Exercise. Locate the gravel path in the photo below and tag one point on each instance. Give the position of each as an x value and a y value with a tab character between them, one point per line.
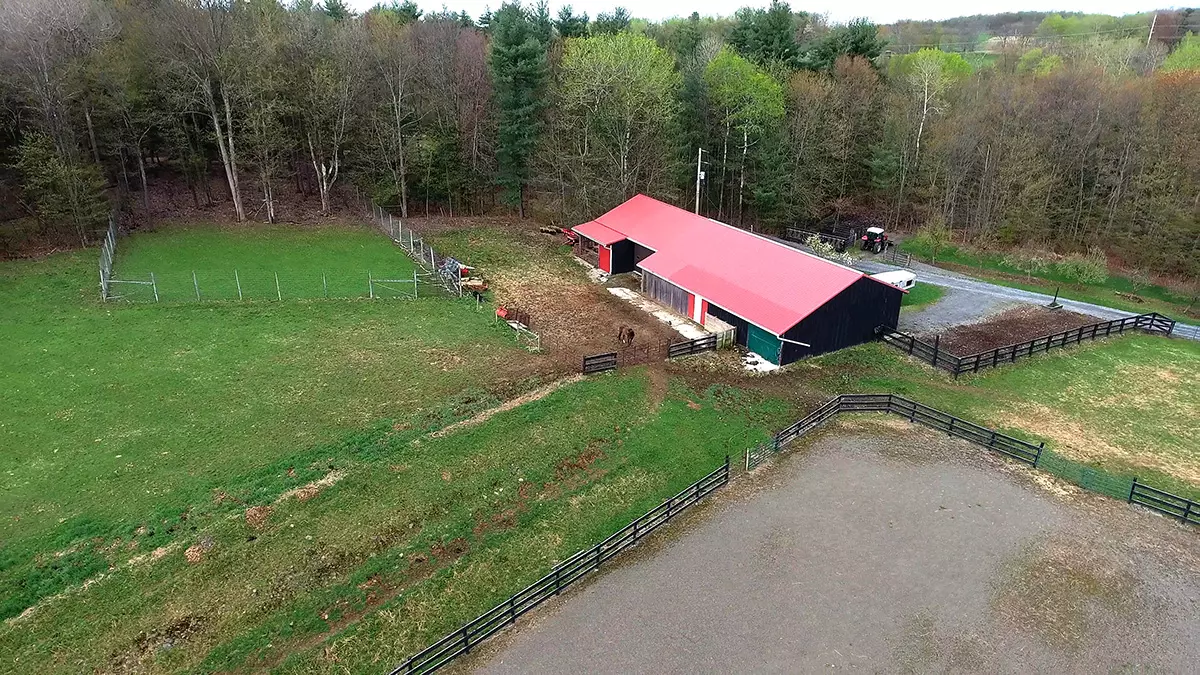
917	554
955	308
976	290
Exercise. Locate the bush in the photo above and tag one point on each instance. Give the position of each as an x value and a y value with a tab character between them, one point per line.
934	237
1029	261
825	250
1091	268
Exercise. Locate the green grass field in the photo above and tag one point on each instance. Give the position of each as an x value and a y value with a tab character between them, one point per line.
118	417
991	267
273	486
309	263
922	294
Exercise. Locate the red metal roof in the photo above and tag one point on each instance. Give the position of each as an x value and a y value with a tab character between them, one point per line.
767	283
598	233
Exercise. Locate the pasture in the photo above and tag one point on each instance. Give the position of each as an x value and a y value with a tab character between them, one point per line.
315	485
309	262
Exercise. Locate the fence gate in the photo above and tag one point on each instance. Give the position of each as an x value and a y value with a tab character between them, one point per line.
599	363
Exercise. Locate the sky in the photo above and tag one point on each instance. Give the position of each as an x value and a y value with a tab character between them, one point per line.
879	11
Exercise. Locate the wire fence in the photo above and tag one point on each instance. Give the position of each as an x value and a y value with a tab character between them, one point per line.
444	270
120	289
260	284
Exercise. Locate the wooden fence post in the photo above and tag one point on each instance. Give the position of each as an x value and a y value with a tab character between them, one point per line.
1038	456
1132	487
937	341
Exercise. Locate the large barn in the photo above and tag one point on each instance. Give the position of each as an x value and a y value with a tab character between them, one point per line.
786	304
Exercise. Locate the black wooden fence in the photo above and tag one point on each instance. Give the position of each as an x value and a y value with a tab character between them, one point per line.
563	575
598	363
1164	502
707	343
1173	505
933	354
893	256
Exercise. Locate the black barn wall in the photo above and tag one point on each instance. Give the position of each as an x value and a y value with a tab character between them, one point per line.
737	322
622	257
848	319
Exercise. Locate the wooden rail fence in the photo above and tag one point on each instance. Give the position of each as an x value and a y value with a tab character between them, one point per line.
933	354
598	363
563	575
1186	510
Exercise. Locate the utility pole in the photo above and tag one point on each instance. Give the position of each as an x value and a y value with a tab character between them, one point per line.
1153	22
699	176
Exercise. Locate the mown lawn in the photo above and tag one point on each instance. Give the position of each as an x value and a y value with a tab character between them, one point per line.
922	294
991	267
310	262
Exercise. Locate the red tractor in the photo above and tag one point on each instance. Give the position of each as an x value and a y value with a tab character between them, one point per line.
875	240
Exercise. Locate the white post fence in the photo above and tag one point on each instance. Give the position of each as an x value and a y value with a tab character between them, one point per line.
108	251
448	276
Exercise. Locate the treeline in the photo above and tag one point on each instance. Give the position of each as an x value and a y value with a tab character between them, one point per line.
1054	141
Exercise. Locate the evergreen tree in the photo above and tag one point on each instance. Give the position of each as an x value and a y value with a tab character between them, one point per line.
337	10
62	189
611	23
766	36
858	38
518	61
571	25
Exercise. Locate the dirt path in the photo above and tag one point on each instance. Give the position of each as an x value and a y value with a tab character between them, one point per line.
508	405
914	555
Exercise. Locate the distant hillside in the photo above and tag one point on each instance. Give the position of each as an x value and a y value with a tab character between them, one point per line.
970	33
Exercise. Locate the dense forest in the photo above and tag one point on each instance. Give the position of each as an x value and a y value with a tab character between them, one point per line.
1048	131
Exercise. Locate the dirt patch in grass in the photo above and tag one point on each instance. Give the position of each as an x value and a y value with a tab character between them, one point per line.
150	644
1010	327
195	553
573	316
256	516
310	490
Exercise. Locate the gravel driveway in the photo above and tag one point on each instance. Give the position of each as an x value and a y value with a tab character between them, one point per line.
911	554
991	297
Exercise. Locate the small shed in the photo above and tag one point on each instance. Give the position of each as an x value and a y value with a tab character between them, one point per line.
785	303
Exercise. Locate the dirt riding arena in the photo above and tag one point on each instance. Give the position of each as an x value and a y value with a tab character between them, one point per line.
1009	327
907	553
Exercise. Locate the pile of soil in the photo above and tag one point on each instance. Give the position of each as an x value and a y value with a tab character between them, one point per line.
1010	327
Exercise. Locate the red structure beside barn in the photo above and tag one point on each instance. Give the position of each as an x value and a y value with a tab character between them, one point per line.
785	303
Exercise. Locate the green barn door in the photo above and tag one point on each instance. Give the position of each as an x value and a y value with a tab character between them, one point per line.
762	343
